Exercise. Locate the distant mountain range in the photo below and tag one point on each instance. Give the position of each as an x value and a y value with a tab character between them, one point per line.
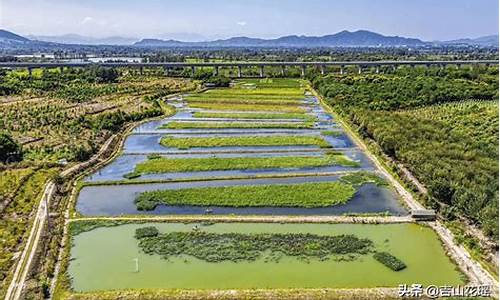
489	40
360	38
83	40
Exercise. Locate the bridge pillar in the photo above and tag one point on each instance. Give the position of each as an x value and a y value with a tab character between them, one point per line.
341	70
30	72
141	70
360	69
303	70
216	70
261	71
283	70
193	70
377	69
166	71
322	67
61	69
239	72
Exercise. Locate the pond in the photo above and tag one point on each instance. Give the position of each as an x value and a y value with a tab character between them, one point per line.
115	200
108	258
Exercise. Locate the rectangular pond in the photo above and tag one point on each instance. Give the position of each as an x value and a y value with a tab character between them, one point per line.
116	200
109	258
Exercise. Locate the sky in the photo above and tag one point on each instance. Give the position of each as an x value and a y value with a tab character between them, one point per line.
210	19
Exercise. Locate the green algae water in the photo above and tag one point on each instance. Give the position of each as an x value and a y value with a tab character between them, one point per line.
109	258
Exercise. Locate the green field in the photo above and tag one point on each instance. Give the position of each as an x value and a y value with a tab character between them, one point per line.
167	165
219	125
279	195
285	140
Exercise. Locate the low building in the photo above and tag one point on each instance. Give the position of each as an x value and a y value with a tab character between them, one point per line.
423	214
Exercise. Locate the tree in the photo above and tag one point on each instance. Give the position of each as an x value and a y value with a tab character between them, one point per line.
9	148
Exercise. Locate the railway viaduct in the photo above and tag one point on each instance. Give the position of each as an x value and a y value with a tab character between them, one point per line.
322	66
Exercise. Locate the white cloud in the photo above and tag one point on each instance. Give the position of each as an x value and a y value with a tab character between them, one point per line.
242	23
87	20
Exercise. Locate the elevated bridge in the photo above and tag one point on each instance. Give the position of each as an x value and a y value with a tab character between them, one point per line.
322	66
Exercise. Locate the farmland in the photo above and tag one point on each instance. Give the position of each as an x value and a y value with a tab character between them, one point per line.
61	118
442	126
228	179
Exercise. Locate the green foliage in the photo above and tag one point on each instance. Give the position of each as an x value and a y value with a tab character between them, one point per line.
420	119
77	227
389	261
279	195
362	177
167	165
143	232
200	114
132	175
218	125
239	247
389	92
285	140
249	107
9	148
332	132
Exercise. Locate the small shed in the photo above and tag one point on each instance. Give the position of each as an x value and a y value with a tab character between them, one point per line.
423	214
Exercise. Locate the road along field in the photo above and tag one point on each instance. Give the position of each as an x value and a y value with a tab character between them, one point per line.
219	175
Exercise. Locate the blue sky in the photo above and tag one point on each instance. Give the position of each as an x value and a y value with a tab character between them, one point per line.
209	19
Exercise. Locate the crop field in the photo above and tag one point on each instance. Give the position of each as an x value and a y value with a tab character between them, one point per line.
57	119
442	125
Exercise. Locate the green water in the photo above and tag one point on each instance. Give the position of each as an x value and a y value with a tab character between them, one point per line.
103	259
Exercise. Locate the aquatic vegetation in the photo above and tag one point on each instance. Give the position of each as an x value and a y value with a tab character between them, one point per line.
143	232
219	125
362	177
238	247
284	140
249	107
166	165
258	91
389	261
332	132
132	175
243	100
278	195
228	115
